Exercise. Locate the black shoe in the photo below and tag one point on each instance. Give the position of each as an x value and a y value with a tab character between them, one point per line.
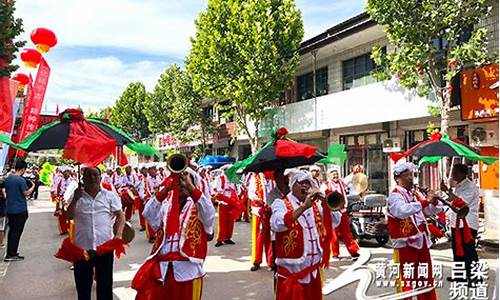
142	229
229	242
219	243
355	256
13	258
254	268
19	256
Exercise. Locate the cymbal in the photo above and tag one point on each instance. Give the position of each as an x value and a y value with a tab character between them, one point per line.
360	183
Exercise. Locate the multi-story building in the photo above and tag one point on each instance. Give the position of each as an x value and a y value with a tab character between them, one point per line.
335	99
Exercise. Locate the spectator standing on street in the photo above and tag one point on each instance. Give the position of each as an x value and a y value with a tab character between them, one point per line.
16	208
36	181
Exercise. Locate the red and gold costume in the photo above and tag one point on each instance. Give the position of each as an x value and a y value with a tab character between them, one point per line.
409	232
343	230
227	198
299	248
261	213
174	270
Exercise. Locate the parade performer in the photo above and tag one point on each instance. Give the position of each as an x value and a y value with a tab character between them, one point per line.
93	209
117	178
315	173
141	189
56	177
128	192
335	184
184	219
348	179
60	211
298	223
227	199
153	183
408	229
261	213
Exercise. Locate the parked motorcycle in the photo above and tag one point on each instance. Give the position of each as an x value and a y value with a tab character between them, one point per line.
367	217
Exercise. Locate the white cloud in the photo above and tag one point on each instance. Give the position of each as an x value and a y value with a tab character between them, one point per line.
147	28
157	26
97	82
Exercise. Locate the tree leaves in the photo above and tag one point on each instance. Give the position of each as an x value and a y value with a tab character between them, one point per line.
158	104
11	28
426	35
245	52
127	114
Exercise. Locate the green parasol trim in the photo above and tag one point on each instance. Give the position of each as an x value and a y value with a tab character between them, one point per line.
461	150
6	140
242	164
429	160
466	152
143	149
140	148
336	155
26	143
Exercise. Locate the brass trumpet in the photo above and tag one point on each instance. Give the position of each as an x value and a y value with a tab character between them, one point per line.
177	163
335	201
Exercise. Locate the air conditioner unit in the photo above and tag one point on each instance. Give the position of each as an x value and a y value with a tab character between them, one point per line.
391	145
484	134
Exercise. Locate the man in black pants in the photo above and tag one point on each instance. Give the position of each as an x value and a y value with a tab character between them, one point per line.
465	189
93	210
17	209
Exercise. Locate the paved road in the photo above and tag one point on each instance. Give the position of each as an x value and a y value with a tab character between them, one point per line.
42	277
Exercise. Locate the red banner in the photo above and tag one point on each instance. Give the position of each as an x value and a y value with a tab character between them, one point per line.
34	101
8	91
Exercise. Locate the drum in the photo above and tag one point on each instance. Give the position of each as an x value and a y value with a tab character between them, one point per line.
128	232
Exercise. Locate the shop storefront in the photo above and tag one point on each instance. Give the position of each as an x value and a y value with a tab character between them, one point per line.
479	106
366	150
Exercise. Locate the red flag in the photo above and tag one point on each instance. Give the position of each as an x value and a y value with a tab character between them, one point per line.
34	101
8	91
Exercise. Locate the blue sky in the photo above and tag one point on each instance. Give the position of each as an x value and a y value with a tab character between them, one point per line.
105	45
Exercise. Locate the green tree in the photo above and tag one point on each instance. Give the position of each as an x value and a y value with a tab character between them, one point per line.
11	28
127	114
412	27
245	52
102	114
187	120
158	104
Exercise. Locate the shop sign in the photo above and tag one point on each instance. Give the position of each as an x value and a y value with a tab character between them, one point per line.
479	93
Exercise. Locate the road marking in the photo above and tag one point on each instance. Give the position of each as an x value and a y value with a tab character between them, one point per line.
3	269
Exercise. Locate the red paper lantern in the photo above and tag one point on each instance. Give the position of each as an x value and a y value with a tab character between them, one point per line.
31	58
44	39
23	79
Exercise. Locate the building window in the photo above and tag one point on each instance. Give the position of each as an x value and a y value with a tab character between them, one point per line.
357	71
208	112
305	84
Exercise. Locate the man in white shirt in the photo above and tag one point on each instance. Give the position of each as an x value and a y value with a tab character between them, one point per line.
408	230
464	246
174	270
93	210
298	223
